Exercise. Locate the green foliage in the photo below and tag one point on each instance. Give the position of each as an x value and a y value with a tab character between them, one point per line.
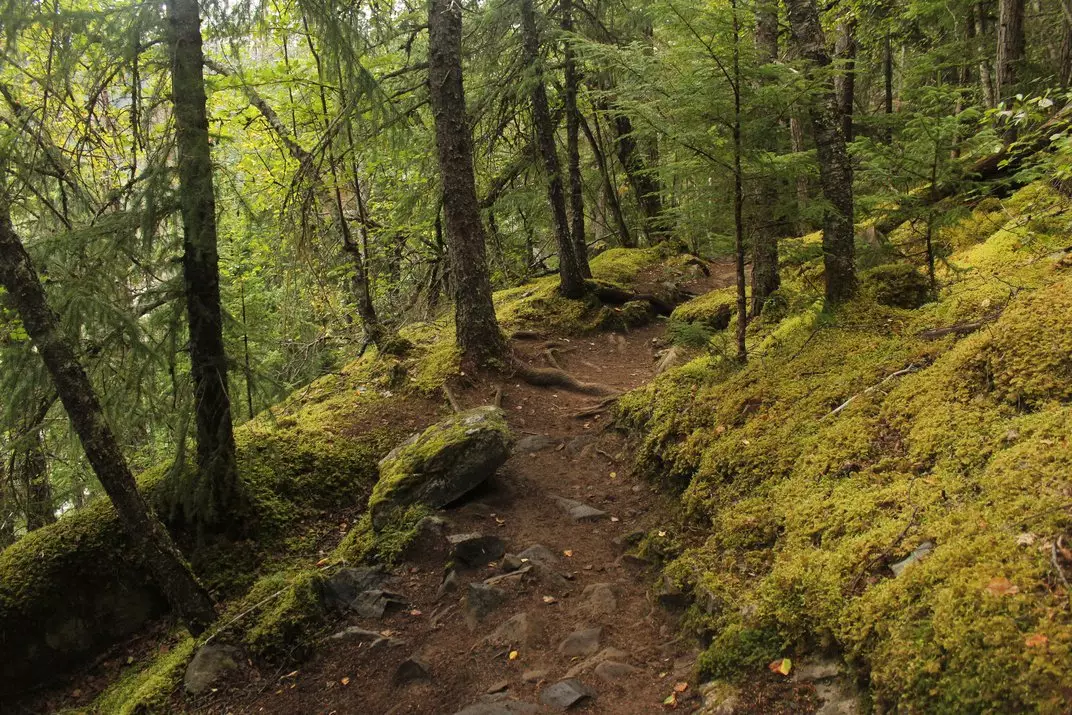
851	443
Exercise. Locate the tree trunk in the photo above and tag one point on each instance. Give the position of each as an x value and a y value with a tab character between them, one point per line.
887	76
573	149
1064	59
217	494
32	473
845	80
765	278
738	193
8	510
150	541
986	80
478	334
1011	46
649	195
610	193
571	281
835	167
796	144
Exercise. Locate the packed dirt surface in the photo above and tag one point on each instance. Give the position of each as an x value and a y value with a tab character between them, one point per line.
631	657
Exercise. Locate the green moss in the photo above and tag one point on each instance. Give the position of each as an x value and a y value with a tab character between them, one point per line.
363	544
898	285
291	615
623	265
713	310
815	468
148	690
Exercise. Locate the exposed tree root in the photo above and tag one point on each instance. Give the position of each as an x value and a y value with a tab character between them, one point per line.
616	295
596	409
553	377
525	335
451	398
960	329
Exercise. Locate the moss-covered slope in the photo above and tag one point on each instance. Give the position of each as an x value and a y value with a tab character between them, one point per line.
854	437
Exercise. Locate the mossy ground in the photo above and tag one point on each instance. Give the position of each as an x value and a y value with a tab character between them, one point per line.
967	447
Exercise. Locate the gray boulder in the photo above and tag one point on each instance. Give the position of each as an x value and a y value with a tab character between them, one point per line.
210	664
441	464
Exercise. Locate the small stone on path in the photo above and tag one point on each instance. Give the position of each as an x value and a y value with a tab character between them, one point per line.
579	511
535	443
566	693
475	549
611	670
209	665
600	599
411	670
581	643
480	601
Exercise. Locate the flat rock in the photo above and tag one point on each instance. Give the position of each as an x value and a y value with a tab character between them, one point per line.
577	445
579	511
343	586
582	642
450	584
476	550
511	579
518	630
511	562
600	599
535	443
815	670
354	634
540	553
441	464
480	601
429	541
209	665
611	670
497	687
413	669
589	664
374	603
565	694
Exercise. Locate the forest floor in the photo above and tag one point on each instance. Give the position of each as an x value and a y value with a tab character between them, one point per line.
591	584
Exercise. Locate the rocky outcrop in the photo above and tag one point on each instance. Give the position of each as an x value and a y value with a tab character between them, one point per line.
441	464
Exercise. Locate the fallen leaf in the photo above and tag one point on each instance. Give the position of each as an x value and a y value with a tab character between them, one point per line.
781	666
613	475
720	429
662	534
345	681
514	655
1025	539
681	687
415	612
670	701
1036	640
322	562
1001	586
568	553
614	519
291	674
550	599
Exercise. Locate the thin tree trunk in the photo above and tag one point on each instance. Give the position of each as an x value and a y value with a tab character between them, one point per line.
986	80
1012	45
887	76
571	280
217	494
835	167
149	539
796	144
573	149
478	334
765	278
8	510
738	193
1064	58
610	193
32	472
648	193
845	81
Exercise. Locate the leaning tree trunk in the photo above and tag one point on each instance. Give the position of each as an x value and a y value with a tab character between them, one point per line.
625	236
649	195
150	541
1011	46
571	280
835	167
765	278
573	150
217	493
478	334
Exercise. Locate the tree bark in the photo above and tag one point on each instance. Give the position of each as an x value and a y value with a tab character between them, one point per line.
765	278
217	493
845	81
610	193
986	80
478	334
573	150
32	472
571	281
649	195
150	541
738	193
887	77
1012	44
835	167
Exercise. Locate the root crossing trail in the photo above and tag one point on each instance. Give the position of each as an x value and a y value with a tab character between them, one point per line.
502	637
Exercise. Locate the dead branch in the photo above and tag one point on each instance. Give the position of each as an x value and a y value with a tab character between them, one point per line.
1057	564
596	409
846	403
960	329
451	399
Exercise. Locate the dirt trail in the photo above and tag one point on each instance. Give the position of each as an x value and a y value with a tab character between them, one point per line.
585	583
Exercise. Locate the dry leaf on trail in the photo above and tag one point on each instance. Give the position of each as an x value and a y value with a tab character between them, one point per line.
514	655
550	599
345	681
1025	539
1036	640
670	702
613	475
681	687
568	553
1001	586
781	666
